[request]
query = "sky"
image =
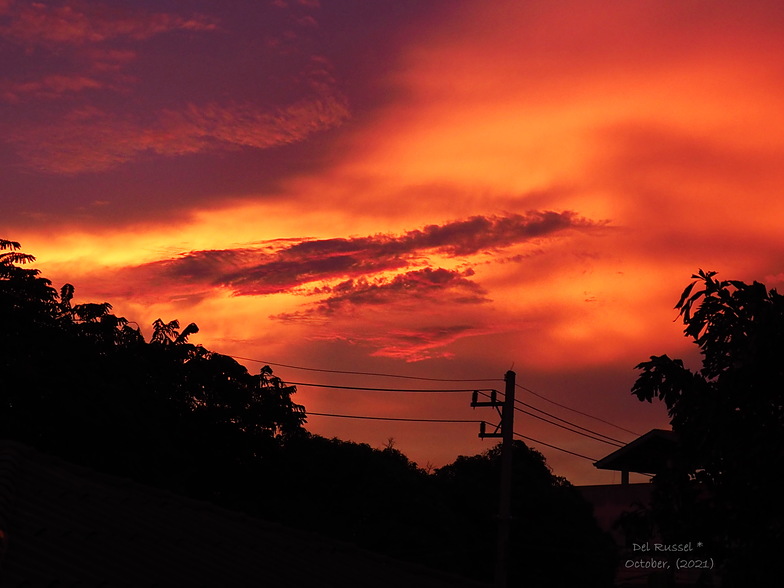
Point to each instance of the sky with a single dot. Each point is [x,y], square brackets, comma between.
[441,189]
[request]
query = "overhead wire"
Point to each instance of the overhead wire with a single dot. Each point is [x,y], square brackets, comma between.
[575,410]
[427,379]
[410,420]
[590,434]
[584,431]
[518,401]
[568,429]
[379,374]
[594,434]
[376,418]
[555,447]
[418,390]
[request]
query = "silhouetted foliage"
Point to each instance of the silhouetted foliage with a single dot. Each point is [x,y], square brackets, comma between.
[78,381]
[555,540]
[375,498]
[382,501]
[725,487]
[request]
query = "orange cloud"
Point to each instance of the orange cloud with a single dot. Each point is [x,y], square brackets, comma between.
[419,343]
[283,266]
[372,291]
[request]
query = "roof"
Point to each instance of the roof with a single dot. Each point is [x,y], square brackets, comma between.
[647,454]
[64,525]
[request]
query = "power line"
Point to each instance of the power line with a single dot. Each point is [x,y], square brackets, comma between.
[376,418]
[595,436]
[613,442]
[558,448]
[577,411]
[353,373]
[536,416]
[518,401]
[426,379]
[382,389]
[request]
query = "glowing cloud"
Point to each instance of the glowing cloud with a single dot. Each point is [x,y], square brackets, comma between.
[273,267]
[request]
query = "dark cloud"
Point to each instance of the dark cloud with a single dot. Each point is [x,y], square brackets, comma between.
[283,266]
[447,285]
[420,343]
[411,289]
[480,233]
[410,344]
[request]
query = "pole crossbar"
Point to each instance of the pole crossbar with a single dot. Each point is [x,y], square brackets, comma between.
[505,431]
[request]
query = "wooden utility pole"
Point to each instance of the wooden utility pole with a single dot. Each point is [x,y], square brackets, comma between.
[505,499]
[505,430]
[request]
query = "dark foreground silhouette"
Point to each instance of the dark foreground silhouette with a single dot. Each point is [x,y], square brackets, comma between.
[723,488]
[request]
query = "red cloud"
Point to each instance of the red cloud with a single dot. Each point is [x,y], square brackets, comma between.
[410,344]
[415,288]
[49,87]
[421,343]
[91,44]
[53,23]
[89,139]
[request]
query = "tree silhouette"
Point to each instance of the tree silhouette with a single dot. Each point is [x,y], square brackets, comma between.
[555,540]
[22,290]
[376,498]
[79,381]
[167,333]
[12,255]
[729,416]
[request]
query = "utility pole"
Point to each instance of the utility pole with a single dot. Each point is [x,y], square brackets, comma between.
[505,430]
[505,501]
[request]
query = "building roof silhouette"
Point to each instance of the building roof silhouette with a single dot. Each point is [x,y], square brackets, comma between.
[65,525]
[648,454]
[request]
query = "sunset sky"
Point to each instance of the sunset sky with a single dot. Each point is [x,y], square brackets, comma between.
[440,189]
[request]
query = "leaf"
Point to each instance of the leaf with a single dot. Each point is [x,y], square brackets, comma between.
[685,294]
